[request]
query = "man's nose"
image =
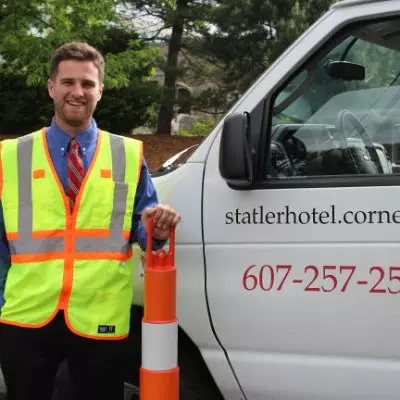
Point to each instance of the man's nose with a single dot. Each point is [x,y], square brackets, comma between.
[77,90]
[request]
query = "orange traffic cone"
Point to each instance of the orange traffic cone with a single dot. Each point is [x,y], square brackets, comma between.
[159,373]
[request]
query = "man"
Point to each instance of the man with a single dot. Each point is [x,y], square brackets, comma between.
[73,199]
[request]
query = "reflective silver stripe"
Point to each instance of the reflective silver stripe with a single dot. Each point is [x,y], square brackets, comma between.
[102,245]
[118,157]
[36,246]
[24,160]
[120,189]
[119,208]
[25,244]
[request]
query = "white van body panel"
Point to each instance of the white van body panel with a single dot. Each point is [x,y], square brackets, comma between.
[312,345]
[292,344]
[349,3]
[182,189]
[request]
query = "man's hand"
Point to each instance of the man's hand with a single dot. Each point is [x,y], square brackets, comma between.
[165,218]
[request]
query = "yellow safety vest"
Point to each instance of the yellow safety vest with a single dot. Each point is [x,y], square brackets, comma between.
[79,262]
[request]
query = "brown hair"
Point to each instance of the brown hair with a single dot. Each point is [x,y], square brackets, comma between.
[77,51]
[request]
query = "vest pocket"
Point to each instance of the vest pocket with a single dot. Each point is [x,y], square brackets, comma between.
[105,204]
[101,295]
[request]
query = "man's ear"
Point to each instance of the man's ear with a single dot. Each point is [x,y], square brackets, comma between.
[50,88]
[101,91]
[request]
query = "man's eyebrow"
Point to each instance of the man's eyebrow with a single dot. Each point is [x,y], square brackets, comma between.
[83,80]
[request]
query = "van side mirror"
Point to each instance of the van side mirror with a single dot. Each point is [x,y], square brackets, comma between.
[236,164]
[345,70]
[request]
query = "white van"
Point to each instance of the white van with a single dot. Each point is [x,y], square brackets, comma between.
[289,247]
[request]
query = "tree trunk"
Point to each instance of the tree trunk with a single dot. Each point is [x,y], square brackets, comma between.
[166,111]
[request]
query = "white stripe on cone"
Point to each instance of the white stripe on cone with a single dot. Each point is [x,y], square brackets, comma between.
[159,346]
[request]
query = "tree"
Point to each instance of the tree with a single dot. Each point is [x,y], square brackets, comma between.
[29,33]
[247,36]
[180,17]
[23,109]
[171,69]
[122,109]
[228,42]
[31,30]
[28,108]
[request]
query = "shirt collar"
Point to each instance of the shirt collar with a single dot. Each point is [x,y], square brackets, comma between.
[59,140]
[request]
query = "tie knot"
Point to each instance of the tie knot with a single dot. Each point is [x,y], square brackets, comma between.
[74,145]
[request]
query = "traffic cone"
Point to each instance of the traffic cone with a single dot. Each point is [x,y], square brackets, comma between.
[159,373]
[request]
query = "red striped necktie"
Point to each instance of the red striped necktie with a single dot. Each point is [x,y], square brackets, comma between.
[75,172]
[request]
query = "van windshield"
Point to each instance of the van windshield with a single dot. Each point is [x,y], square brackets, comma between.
[340,114]
[314,96]
[175,161]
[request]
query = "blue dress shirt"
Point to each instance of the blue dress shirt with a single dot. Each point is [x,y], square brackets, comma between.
[58,143]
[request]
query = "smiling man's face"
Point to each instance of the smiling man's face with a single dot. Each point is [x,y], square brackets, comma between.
[75,90]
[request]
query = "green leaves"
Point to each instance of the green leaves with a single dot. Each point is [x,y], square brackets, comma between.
[246,37]
[30,32]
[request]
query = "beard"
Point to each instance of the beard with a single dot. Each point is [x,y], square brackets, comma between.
[79,118]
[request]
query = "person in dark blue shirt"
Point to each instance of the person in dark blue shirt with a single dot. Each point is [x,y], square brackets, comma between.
[30,357]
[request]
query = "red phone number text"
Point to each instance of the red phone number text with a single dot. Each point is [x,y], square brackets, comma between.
[327,278]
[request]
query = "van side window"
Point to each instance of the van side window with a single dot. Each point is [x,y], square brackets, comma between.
[340,114]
